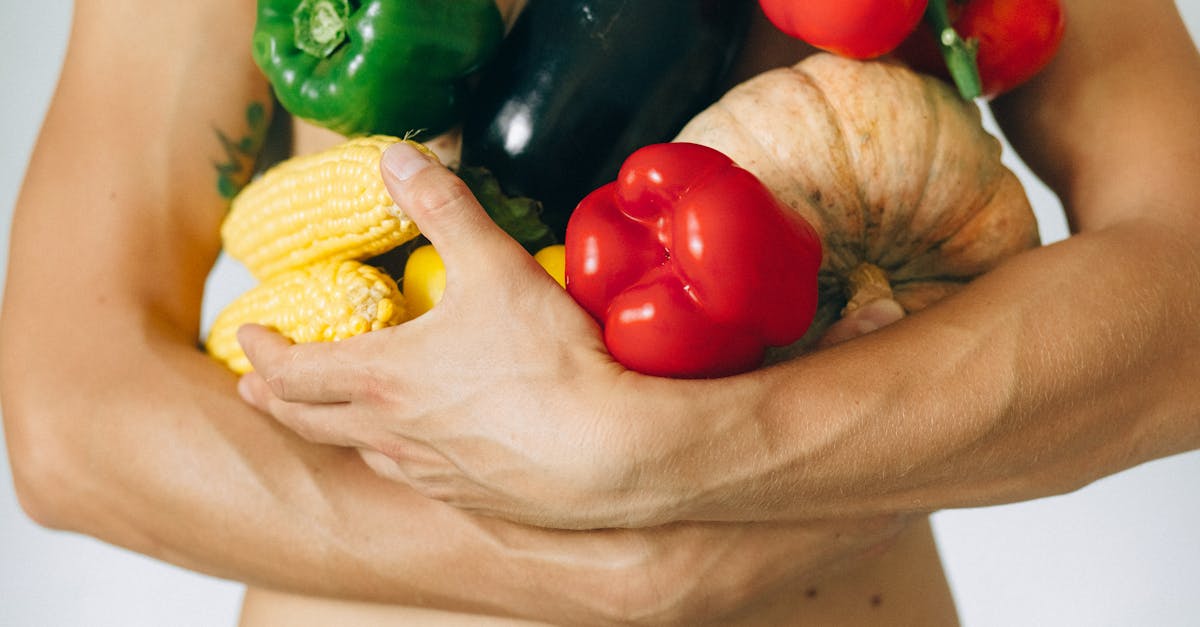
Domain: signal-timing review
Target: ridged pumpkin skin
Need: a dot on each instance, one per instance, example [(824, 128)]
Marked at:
[(893, 168)]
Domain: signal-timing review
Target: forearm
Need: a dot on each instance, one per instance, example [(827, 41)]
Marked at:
[(1059, 368), (153, 451), (1068, 363), (177, 468)]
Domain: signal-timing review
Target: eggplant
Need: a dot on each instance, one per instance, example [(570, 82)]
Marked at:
[(578, 85)]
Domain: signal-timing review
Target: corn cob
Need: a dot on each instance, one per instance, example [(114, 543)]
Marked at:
[(326, 206), (323, 302)]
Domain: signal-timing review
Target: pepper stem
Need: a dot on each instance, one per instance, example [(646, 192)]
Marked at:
[(958, 52), (320, 26), (866, 283)]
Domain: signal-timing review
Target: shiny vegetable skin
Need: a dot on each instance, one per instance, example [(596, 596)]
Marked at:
[(691, 265), (424, 279), (361, 67), (580, 84), (858, 29), (1017, 38)]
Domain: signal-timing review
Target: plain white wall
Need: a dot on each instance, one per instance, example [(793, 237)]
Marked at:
[(1122, 552)]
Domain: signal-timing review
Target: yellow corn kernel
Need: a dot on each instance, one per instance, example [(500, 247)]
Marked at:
[(322, 302), (326, 206)]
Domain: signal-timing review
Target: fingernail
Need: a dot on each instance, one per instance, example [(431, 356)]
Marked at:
[(882, 312), (863, 327), (243, 388), (402, 161)]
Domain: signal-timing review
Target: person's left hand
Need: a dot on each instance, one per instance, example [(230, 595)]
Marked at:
[(502, 399)]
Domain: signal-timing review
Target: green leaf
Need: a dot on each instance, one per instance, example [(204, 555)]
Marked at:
[(519, 217)]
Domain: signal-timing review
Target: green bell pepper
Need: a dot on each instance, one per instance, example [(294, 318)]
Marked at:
[(396, 67)]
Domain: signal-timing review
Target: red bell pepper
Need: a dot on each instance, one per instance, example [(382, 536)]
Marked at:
[(691, 264), (859, 29)]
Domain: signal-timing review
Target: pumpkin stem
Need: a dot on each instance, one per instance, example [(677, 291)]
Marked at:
[(864, 284)]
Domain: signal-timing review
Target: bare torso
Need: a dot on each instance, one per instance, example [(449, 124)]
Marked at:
[(904, 585)]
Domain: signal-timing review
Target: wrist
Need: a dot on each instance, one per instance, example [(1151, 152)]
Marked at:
[(696, 456)]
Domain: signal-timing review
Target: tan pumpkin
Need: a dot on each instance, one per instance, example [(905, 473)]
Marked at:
[(893, 168)]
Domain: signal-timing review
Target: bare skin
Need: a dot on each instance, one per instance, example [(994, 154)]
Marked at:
[(121, 429), (1032, 398)]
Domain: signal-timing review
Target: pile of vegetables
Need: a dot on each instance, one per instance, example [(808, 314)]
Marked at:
[(705, 233), (894, 170)]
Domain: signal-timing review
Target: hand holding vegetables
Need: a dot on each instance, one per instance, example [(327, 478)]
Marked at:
[(526, 416), (1064, 363), (319, 231), (410, 393), (303, 229)]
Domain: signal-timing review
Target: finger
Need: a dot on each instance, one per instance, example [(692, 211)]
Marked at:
[(383, 465), (322, 423), (446, 211), (871, 316), (316, 372)]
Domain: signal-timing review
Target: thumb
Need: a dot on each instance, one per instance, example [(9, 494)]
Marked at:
[(445, 210)]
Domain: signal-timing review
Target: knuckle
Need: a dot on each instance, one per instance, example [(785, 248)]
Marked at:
[(375, 385), (277, 384), (438, 193)]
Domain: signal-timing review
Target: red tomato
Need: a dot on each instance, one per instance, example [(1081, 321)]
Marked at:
[(1015, 38), (859, 29)]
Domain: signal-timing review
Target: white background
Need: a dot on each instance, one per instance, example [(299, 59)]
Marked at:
[(1122, 552)]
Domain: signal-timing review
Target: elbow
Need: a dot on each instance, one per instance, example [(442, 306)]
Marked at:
[(40, 464)]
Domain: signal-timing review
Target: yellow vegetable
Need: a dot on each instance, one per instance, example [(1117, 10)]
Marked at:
[(425, 275), (326, 206), (554, 260), (424, 280), (321, 302)]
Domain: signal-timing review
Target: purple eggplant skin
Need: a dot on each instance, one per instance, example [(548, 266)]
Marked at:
[(578, 85)]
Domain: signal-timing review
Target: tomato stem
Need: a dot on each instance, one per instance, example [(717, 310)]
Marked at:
[(959, 53)]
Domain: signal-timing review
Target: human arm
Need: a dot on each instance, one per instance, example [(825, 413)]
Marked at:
[(117, 426), (1063, 365)]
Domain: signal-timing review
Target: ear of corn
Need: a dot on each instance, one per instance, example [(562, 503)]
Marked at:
[(322, 302), (326, 206)]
